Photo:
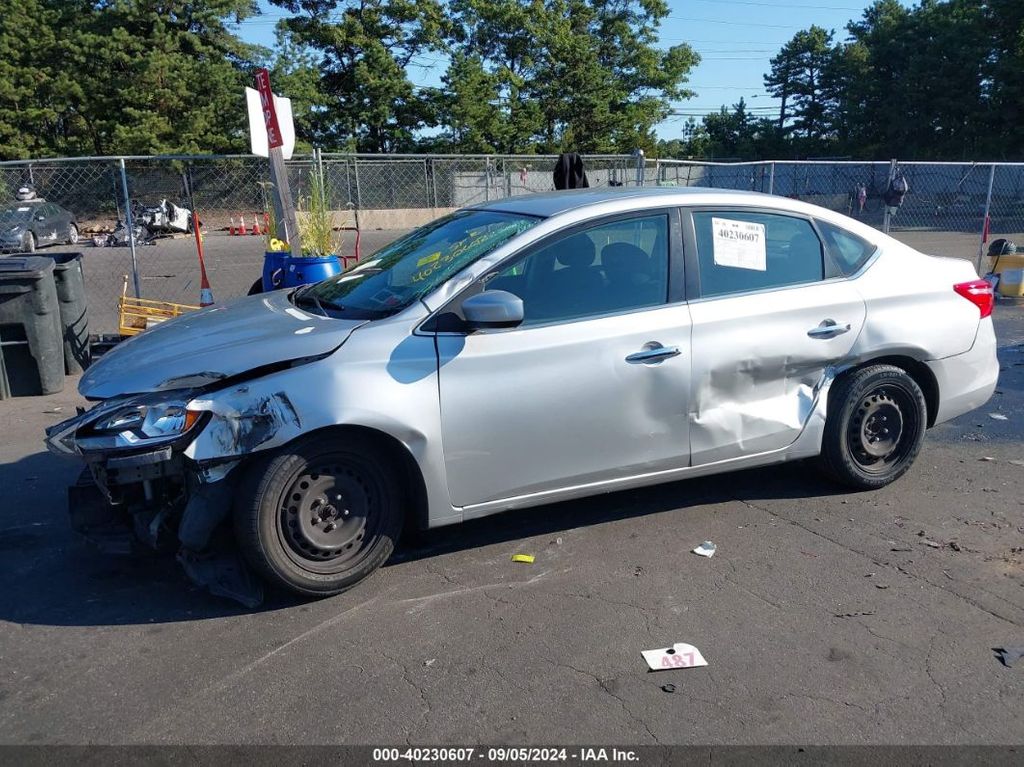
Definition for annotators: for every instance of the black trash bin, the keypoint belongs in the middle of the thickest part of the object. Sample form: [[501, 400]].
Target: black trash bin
[[30, 326], [74, 317], [4, 391]]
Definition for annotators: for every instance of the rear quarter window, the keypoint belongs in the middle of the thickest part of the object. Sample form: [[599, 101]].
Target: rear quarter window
[[849, 251]]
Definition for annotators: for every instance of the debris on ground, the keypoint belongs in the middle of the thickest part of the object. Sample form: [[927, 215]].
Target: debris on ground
[[986, 458], [1017, 463], [679, 655], [998, 417], [853, 615], [1009, 655], [881, 585], [706, 549], [430, 662], [526, 559], [668, 687]]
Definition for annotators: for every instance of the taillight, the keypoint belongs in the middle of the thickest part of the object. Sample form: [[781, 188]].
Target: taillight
[[979, 293]]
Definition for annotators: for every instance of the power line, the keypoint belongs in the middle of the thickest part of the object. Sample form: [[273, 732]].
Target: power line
[[783, 5], [273, 18], [757, 88], [732, 23]]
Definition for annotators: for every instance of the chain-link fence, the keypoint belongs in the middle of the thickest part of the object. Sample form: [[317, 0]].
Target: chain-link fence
[[945, 210]]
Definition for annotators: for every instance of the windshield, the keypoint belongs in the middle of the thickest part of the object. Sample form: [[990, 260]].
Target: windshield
[[411, 267], [15, 214]]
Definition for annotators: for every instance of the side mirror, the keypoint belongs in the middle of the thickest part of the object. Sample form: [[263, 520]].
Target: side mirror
[[493, 309]]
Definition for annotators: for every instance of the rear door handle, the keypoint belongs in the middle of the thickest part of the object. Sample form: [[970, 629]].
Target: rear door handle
[[654, 353], [828, 329]]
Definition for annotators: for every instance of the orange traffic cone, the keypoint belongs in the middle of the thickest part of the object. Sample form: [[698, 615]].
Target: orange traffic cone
[[205, 291], [256, 224], [231, 226], [241, 226]]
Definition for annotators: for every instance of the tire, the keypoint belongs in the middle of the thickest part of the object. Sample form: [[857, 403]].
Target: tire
[[256, 288], [859, 449], [72, 234], [30, 242], [296, 535]]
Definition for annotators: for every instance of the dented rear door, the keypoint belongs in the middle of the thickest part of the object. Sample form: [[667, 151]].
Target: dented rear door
[[770, 318]]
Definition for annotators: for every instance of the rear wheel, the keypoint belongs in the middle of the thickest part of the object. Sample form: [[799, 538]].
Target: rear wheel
[[72, 235], [317, 517], [29, 245], [876, 422], [256, 288]]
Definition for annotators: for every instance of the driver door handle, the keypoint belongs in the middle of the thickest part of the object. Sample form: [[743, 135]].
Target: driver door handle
[[828, 329], [653, 354]]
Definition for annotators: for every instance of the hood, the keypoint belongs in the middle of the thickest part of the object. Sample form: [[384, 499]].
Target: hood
[[202, 347]]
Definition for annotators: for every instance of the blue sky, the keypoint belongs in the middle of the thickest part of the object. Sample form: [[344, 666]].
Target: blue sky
[[736, 39]]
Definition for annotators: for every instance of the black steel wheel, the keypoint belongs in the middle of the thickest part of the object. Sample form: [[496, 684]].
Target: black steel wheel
[[327, 513], [317, 517], [876, 421]]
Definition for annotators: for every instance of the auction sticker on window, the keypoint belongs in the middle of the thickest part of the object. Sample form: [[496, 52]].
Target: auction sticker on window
[[738, 244]]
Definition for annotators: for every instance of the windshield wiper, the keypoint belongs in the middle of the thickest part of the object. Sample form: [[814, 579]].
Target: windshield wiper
[[318, 302]]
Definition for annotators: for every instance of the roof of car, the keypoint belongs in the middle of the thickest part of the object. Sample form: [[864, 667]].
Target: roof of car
[[553, 203]]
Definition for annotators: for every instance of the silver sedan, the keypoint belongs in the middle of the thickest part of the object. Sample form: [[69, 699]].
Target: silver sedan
[[525, 351]]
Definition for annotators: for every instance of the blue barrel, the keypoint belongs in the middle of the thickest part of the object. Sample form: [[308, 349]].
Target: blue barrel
[[282, 270], [303, 271], [273, 269]]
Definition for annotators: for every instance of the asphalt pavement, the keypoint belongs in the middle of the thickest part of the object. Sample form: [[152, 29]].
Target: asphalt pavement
[[825, 617]]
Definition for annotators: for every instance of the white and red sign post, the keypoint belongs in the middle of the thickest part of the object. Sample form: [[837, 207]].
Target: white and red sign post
[[279, 137]]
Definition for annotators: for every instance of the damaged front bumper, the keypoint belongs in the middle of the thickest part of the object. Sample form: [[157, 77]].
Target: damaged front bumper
[[133, 497]]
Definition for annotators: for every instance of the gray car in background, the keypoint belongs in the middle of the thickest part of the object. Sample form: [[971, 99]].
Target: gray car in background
[[27, 225], [525, 351]]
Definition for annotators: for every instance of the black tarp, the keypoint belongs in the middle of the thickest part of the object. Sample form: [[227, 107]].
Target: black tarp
[[569, 173]]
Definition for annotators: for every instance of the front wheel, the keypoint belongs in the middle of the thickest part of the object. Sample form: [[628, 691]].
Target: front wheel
[[318, 516], [29, 244], [875, 427], [72, 235]]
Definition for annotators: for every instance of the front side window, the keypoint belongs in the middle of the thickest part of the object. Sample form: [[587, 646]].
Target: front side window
[[739, 252], [412, 266], [611, 267]]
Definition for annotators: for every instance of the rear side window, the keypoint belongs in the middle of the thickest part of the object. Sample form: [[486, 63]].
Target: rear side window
[[739, 251], [848, 250]]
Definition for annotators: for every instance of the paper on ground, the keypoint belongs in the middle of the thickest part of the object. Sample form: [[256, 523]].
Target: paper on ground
[[679, 655], [706, 549]]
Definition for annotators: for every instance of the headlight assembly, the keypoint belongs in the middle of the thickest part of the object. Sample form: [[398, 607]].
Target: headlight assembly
[[149, 420], [134, 422]]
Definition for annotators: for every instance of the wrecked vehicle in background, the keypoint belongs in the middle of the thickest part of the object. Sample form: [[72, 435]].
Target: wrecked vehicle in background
[[163, 217], [525, 351]]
